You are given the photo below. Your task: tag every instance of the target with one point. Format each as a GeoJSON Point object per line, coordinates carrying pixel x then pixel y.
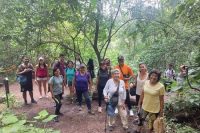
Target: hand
{"type": "Point", "coordinates": [106, 99]}
{"type": "Point", "coordinates": [123, 106]}
{"type": "Point", "coordinates": [138, 109]}
{"type": "Point", "coordinates": [161, 114]}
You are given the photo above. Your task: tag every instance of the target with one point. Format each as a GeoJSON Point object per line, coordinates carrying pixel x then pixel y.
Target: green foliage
{"type": "Point", "coordinates": [44, 116]}
{"type": "Point", "coordinates": [10, 123]}
{"type": "Point", "coordinates": [173, 127]}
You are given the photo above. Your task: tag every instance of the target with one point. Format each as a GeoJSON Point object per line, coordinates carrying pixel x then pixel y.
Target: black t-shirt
{"type": "Point", "coordinates": [103, 77]}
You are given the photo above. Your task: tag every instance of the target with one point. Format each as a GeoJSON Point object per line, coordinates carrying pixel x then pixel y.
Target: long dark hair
{"type": "Point", "coordinates": [90, 64]}
{"type": "Point", "coordinates": [54, 70]}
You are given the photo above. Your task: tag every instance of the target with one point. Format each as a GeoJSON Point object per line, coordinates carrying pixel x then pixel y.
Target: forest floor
{"type": "Point", "coordinates": [73, 121]}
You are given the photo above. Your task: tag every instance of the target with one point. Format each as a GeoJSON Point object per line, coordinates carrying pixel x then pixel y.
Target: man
{"type": "Point", "coordinates": [61, 65]}
{"type": "Point", "coordinates": [126, 74]}
{"type": "Point", "coordinates": [170, 73]}
{"type": "Point", "coordinates": [26, 70]}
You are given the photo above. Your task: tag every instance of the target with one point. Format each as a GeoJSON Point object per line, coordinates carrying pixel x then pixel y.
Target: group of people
{"type": "Point", "coordinates": [112, 83]}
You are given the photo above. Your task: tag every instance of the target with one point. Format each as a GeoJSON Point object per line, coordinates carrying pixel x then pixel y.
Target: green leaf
{"type": "Point", "coordinates": [41, 115]}
{"type": "Point", "coordinates": [50, 118]}
{"type": "Point", "coordinates": [176, 88]}
{"type": "Point", "coordinates": [9, 119]}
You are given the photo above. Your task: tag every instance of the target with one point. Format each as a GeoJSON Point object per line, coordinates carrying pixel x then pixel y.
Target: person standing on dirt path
{"type": "Point", "coordinates": [61, 65]}
{"type": "Point", "coordinates": [102, 77]}
{"type": "Point", "coordinates": [70, 73]}
{"type": "Point", "coordinates": [25, 70]}
{"type": "Point", "coordinates": [90, 69]}
{"type": "Point", "coordinates": [42, 75]}
{"type": "Point", "coordinates": [126, 74]}
{"type": "Point", "coordinates": [81, 83]}
{"type": "Point", "coordinates": [56, 83]}
{"type": "Point", "coordinates": [151, 101]}
{"type": "Point", "coordinates": [115, 86]}
{"type": "Point", "coordinates": [77, 62]}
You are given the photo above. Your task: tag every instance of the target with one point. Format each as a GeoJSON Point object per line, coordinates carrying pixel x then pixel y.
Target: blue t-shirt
{"type": "Point", "coordinates": [70, 72]}
{"type": "Point", "coordinates": [57, 83]}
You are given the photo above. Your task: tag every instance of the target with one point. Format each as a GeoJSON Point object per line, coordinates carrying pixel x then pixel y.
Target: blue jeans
{"type": "Point", "coordinates": [86, 96]}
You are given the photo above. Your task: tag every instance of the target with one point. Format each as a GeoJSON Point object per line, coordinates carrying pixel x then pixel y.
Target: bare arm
{"type": "Point", "coordinates": [141, 100]}
{"type": "Point", "coordinates": [161, 104]}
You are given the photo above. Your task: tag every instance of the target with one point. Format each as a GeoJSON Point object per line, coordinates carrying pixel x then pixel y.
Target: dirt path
{"type": "Point", "coordinates": [73, 121]}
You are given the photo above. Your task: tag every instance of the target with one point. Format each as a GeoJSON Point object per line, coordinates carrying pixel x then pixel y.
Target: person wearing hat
{"type": "Point", "coordinates": [41, 74]}
{"type": "Point", "coordinates": [81, 83]}
{"type": "Point", "coordinates": [126, 74]}
{"type": "Point", "coordinates": [112, 87]}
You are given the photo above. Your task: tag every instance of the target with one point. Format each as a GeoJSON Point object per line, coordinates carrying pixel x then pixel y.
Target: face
{"type": "Point", "coordinates": [116, 75]}
{"type": "Point", "coordinates": [82, 69]}
{"type": "Point", "coordinates": [103, 66]}
{"type": "Point", "coordinates": [153, 78]}
{"type": "Point", "coordinates": [41, 61]}
{"type": "Point", "coordinates": [62, 58]}
{"type": "Point", "coordinates": [121, 61]}
{"type": "Point", "coordinates": [26, 61]}
{"type": "Point", "coordinates": [57, 72]}
{"type": "Point", "coordinates": [142, 68]}
{"type": "Point", "coordinates": [70, 64]}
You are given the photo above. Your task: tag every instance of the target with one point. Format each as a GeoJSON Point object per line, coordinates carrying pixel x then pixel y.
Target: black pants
{"type": "Point", "coordinates": [100, 94]}
{"type": "Point", "coordinates": [137, 99]}
{"type": "Point", "coordinates": [128, 101]}
{"type": "Point", "coordinates": [79, 94]}
{"type": "Point", "coordinates": [57, 100]}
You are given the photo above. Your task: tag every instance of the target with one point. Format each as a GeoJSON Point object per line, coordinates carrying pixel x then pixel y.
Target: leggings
{"type": "Point", "coordinates": [100, 94]}
{"type": "Point", "coordinates": [128, 101]}
{"type": "Point", "coordinates": [57, 100]}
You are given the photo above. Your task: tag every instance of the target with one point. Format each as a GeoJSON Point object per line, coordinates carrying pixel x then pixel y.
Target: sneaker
{"type": "Point", "coordinates": [126, 129]}
{"type": "Point", "coordinates": [90, 112]}
{"type": "Point", "coordinates": [56, 119]}
{"type": "Point", "coordinates": [110, 128]}
{"type": "Point", "coordinates": [116, 111]}
{"type": "Point", "coordinates": [33, 101]}
{"type": "Point", "coordinates": [60, 114]}
{"type": "Point", "coordinates": [40, 97]}
{"type": "Point", "coordinates": [131, 113]}
{"type": "Point", "coordinates": [99, 109]}
{"type": "Point", "coordinates": [46, 96]}
{"type": "Point", "coordinates": [80, 109]}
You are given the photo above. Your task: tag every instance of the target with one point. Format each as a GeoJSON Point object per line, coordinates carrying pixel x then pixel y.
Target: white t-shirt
{"type": "Point", "coordinates": [111, 88]}
{"type": "Point", "coordinates": [140, 84]}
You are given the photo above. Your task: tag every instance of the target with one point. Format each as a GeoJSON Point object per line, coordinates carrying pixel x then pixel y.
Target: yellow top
{"type": "Point", "coordinates": [152, 93]}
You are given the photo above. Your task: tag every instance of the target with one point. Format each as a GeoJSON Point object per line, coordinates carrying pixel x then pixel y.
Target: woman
{"type": "Point", "coordinates": [70, 73]}
{"type": "Point", "coordinates": [115, 85]}
{"type": "Point", "coordinates": [41, 74]}
{"type": "Point", "coordinates": [151, 101]}
{"type": "Point", "coordinates": [81, 83]}
{"type": "Point", "coordinates": [102, 77]}
{"type": "Point", "coordinates": [141, 77]}
{"type": "Point", "coordinates": [56, 83]}
{"type": "Point", "coordinates": [90, 68]}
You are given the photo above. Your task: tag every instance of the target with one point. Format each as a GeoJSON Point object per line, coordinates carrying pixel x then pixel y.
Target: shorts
{"type": "Point", "coordinates": [151, 118]}
{"type": "Point", "coordinates": [69, 83]}
{"type": "Point", "coordinates": [41, 79]}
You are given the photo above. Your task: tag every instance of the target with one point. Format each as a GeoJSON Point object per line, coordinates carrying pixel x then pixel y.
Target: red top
{"type": "Point", "coordinates": [41, 72]}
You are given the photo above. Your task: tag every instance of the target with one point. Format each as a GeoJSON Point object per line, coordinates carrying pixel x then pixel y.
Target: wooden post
{"type": "Point", "coordinates": [6, 83]}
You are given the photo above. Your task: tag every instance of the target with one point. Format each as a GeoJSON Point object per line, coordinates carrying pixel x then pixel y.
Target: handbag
{"type": "Point", "coordinates": [115, 97]}
{"type": "Point", "coordinates": [21, 79]}
{"type": "Point", "coordinates": [158, 125]}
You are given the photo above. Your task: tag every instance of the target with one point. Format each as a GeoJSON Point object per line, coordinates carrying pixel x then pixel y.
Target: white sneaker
{"type": "Point", "coordinates": [99, 109]}
{"type": "Point", "coordinates": [116, 111]}
{"type": "Point", "coordinates": [40, 97]}
{"type": "Point", "coordinates": [131, 113]}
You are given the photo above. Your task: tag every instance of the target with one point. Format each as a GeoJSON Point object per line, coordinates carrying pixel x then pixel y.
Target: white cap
{"type": "Point", "coordinates": [41, 58]}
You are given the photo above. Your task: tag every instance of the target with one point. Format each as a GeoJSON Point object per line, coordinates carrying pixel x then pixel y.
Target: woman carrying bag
{"type": "Point", "coordinates": [115, 95]}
